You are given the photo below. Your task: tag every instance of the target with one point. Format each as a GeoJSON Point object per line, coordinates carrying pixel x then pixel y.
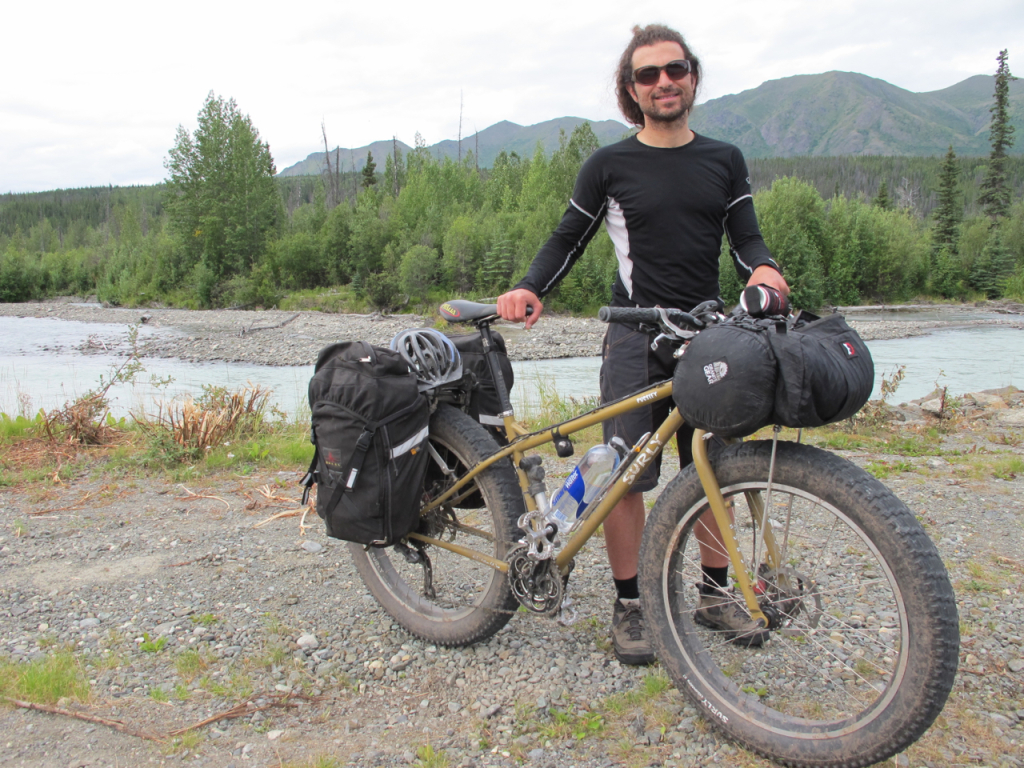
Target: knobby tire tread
{"type": "Point", "coordinates": [470, 443]}
{"type": "Point", "coordinates": [933, 634]}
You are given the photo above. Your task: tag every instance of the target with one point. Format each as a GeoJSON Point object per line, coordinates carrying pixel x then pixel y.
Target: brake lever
{"type": "Point", "coordinates": [678, 332]}
{"type": "Point", "coordinates": [658, 338]}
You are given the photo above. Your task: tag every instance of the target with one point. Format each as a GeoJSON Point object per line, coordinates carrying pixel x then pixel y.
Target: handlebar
{"type": "Point", "coordinates": [648, 316]}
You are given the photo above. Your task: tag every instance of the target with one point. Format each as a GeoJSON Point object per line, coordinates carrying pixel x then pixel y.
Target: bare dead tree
{"type": "Point", "coordinates": [460, 126]}
{"type": "Point", "coordinates": [337, 173]}
{"type": "Point", "coordinates": [355, 179]}
{"type": "Point", "coordinates": [394, 161]}
{"type": "Point", "coordinates": [332, 193]}
{"type": "Point", "coordinates": [906, 196]}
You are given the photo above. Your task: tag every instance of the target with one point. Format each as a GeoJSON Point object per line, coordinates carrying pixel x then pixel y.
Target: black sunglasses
{"type": "Point", "coordinates": [676, 71]}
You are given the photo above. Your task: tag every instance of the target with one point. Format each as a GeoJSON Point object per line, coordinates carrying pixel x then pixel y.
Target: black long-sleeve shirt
{"type": "Point", "coordinates": [665, 210]}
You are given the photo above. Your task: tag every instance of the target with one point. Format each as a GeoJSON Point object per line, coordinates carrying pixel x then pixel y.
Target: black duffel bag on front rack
{"type": "Point", "coordinates": [369, 425]}
{"type": "Point", "coordinates": [825, 371]}
{"type": "Point", "coordinates": [744, 373]}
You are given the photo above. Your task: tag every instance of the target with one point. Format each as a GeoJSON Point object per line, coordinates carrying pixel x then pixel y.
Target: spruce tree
{"type": "Point", "coordinates": [882, 199]}
{"type": "Point", "coordinates": [993, 267]}
{"type": "Point", "coordinates": [369, 171]}
{"type": "Point", "coordinates": [995, 192]}
{"type": "Point", "coordinates": [950, 211]}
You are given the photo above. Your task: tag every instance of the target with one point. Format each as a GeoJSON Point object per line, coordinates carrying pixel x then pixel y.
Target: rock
{"type": "Point", "coordinates": [991, 402]}
{"type": "Point", "coordinates": [454, 706]}
{"type": "Point", "coordinates": [999, 719]}
{"type": "Point", "coordinates": [312, 547]}
{"type": "Point", "coordinates": [167, 628]}
{"type": "Point", "coordinates": [86, 623]}
{"type": "Point", "coordinates": [934, 407]}
{"type": "Point", "coordinates": [1017, 665]}
{"type": "Point", "coordinates": [308, 642]}
{"type": "Point", "coordinates": [274, 735]}
{"type": "Point", "coordinates": [1014, 418]}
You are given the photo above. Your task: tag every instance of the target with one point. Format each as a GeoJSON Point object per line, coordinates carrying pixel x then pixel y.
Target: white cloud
{"type": "Point", "coordinates": [98, 89]}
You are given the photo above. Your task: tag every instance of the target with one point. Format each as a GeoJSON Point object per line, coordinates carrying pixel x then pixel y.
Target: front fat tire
{"type": "Point", "coordinates": [473, 601]}
{"type": "Point", "coordinates": [862, 664]}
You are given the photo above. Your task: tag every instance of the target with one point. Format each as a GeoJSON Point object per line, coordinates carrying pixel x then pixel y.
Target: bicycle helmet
{"type": "Point", "coordinates": [431, 355]}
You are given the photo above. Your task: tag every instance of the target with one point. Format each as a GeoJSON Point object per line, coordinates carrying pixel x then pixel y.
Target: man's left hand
{"type": "Point", "coordinates": [765, 275]}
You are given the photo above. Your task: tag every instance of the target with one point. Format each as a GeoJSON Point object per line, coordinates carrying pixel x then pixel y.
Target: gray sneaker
{"type": "Point", "coordinates": [724, 611]}
{"type": "Point", "coordinates": [628, 635]}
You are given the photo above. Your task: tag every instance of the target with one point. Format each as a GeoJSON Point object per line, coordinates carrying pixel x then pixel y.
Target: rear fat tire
{"type": "Point", "coordinates": [864, 666]}
{"type": "Point", "coordinates": [473, 601]}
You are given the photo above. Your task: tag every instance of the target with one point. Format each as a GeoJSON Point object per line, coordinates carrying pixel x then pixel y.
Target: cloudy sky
{"type": "Point", "coordinates": [92, 92]}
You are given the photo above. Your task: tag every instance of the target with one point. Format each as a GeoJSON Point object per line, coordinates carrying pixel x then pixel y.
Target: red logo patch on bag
{"type": "Point", "coordinates": [848, 349]}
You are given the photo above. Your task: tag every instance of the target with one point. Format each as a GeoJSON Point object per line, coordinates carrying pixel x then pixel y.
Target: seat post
{"type": "Point", "coordinates": [491, 353]}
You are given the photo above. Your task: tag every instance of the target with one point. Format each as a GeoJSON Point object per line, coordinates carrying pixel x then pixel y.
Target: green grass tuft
{"type": "Point", "coordinates": [59, 675]}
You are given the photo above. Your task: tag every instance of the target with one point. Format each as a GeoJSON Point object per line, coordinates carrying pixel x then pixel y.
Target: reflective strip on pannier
{"type": "Point", "coordinates": [411, 443]}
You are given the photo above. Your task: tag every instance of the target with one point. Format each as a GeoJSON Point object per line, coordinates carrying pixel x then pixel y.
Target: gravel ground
{"type": "Point", "coordinates": [133, 573]}
{"type": "Point", "coordinates": [273, 337]}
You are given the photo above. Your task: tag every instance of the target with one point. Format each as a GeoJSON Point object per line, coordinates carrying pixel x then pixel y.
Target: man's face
{"type": "Point", "coordinates": [666, 101]}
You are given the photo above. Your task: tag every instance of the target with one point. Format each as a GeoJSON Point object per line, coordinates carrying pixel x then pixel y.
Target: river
{"type": "Point", "coordinates": [40, 369]}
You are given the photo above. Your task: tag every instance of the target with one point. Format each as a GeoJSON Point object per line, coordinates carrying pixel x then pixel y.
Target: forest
{"type": "Point", "coordinates": [408, 232]}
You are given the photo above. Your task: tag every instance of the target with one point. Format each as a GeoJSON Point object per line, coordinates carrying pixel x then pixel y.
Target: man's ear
{"type": "Point", "coordinates": [632, 92]}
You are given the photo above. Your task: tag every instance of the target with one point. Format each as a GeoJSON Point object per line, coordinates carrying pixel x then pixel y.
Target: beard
{"type": "Point", "coordinates": [656, 114]}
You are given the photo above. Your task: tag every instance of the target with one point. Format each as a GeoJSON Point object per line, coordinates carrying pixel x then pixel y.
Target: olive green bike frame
{"type": "Point", "coordinates": [644, 454]}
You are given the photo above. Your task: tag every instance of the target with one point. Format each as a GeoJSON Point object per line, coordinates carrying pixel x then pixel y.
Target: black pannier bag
{"type": "Point", "coordinates": [370, 426]}
{"type": "Point", "coordinates": [743, 374]}
{"type": "Point", "coordinates": [484, 405]}
{"type": "Point", "coordinates": [825, 371]}
{"type": "Point", "coordinates": [725, 380]}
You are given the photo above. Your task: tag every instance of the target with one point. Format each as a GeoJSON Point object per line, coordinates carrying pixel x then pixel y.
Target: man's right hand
{"type": "Point", "coordinates": [512, 306]}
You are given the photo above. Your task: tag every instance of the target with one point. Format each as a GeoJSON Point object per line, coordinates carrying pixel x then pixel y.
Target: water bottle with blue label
{"type": "Point", "coordinates": [585, 483]}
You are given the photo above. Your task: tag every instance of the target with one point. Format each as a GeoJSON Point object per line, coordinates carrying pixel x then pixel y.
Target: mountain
{"type": "Point", "coordinates": [834, 113]}
{"type": "Point", "coordinates": [349, 158]}
{"type": "Point", "coordinates": [491, 141]}
{"type": "Point", "coordinates": [845, 113]}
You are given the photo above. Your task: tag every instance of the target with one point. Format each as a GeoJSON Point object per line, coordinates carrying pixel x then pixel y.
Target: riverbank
{"type": "Point", "coordinates": [274, 337]}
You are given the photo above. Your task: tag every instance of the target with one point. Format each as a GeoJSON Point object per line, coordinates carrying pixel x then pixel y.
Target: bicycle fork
{"type": "Point", "coordinates": [726, 525]}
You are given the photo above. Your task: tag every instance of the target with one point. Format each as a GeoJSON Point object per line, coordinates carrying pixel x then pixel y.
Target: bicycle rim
{"type": "Point", "coordinates": [836, 658]}
{"type": "Point", "coordinates": [460, 585]}
{"type": "Point", "coordinates": [463, 601]}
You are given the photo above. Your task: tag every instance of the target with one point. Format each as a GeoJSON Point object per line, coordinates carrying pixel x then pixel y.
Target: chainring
{"type": "Point", "coordinates": [537, 584]}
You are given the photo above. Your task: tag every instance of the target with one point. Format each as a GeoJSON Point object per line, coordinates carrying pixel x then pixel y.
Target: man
{"type": "Point", "coordinates": [665, 195]}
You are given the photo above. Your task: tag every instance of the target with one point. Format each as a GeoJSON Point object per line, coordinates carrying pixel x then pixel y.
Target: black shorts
{"type": "Point", "coordinates": [628, 364]}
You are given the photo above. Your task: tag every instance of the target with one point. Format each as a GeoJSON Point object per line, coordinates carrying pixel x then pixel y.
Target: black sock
{"type": "Point", "coordinates": [627, 589]}
{"type": "Point", "coordinates": [716, 577]}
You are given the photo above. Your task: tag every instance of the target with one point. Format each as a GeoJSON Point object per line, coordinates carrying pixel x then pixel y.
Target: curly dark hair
{"type": "Point", "coordinates": [649, 35]}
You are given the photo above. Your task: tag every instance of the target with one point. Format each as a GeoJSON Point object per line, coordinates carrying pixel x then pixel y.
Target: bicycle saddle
{"type": "Point", "coordinates": [461, 311]}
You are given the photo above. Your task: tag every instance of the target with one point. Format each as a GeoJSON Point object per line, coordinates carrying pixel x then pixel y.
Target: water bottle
{"type": "Point", "coordinates": [586, 481]}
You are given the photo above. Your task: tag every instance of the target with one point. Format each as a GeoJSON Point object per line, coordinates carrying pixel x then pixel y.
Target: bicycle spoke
{"type": "Point", "coordinates": [836, 643]}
